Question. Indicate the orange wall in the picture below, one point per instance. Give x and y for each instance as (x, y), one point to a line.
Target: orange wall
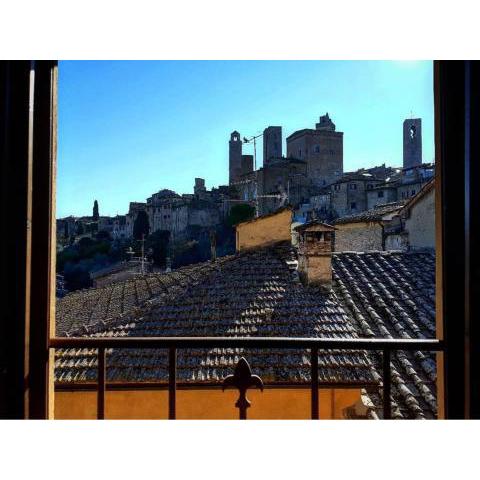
(265, 230)
(204, 404)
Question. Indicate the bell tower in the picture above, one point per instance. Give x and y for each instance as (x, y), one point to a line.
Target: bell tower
(412, 142)
(234, 157)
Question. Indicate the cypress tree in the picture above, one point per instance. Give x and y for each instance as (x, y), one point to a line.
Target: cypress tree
(95, 211)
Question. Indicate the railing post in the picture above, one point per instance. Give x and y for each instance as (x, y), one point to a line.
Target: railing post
(314, 378)
(387, 384)
(172, 383)
(102, 374)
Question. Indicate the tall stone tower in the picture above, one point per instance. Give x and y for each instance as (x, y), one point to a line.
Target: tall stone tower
(234, 157)
(272, 144)
(412, 142)
(321, 148)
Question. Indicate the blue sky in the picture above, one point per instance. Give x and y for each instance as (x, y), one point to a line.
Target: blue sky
(130, 128)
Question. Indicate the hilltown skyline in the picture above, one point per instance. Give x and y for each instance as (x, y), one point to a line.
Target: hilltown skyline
(131, 171)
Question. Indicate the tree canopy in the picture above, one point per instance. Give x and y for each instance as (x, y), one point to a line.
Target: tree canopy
(240, 213)
(141, 225)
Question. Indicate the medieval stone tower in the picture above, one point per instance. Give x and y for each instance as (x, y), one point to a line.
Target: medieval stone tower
(234, 157)
(412, 142)
(321, 148)
(272, 144)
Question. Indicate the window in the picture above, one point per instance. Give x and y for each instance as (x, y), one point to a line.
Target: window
(413, 132)
(353, 205)
(317, 148)
(413, 192)
(380, 194)
(336, 187)
(353, 186)
(299, 152)
(369, 186)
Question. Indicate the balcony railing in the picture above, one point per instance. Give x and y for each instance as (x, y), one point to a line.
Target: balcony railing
(242, 375)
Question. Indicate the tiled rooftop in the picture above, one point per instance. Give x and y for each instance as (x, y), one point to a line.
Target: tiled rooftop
(255, 293)
(372, 215)
(392, 295)
(258, 293)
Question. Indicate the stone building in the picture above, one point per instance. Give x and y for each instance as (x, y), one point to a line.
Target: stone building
(272, 144)
(167, 210)
(385, 192)
(348, 195)
(282, 181)
(119, 227)
(321, 148)
(247, 164)
(365, 231)
(418, 218)
(403, 225)
(412, 142)
(66, 227)
(199, 189)
(402, 185)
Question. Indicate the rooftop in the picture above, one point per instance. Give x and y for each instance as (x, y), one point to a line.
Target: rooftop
(258, 293)
(375, 214)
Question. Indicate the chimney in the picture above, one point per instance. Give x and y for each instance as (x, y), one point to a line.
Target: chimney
(315, 241)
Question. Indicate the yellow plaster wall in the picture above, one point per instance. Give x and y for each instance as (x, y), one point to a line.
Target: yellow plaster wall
(264, 230)
(204, 404)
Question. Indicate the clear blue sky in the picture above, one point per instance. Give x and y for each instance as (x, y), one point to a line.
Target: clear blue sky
(128, 129)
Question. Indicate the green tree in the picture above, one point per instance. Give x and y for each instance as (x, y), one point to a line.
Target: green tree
(240, 213)
(158, 243)
(141, 225)
(96, 215)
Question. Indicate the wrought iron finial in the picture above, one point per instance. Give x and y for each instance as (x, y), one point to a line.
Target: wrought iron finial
(243, 379)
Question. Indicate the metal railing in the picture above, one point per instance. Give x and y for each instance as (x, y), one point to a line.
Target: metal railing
(241, 380)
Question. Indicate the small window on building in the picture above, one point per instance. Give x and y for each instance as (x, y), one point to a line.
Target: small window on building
(317, 148)
(413, 192)
(380, 194)
(353, 186)
(336, 187)
(369, 186)
(299, 152)
(353, 205)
